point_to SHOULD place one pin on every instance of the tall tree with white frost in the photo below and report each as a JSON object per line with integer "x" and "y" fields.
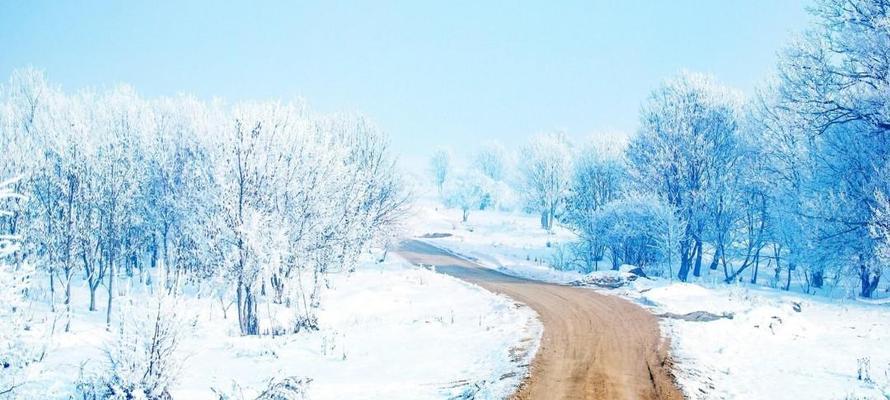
{"x": 440, "y": 164}
{"x": 832, "y": 97}
{"x": 491, "y": 160}
{"x": 599, "y": 177}
{"x": 179, "y": 192}
{"x": 467, "y": 192}
{"x": 686, "y": 139}
{"x": 546, "y": 166}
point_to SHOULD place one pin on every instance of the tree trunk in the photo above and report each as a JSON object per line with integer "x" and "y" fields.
{"x": 685, "y": 262}
{"x": 165, "y": 256}
{"x": 716, "y": 261}
{"x": 817, "y": 278}
{"x": 725, "y": 267}
{"x": 110, "y": 292}
{"x": 869, "y": 281}
{"x": 252, "y": 323}
{"x": 547, "y": 217}
{"x": 93, "y": 297}
{"x": 756, "y": 265}
{"x": 68, "y": 301}
{"x": 791, "y": 267}
{"x": 239, "y": 299}
{"x": 698, "y": 250}
{"x": 52, "y": 289}
{"x": 247, "y": 311}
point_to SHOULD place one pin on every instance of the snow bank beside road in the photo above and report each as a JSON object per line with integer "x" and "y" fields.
{"x": 776, "y": 346}
{"x": 388, "y": 331}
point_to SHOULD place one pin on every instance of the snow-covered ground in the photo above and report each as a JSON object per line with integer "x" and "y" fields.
{"x": 389, "y": 331}
{"x": 778, "y": 345}
{"x": 511, "y": 242}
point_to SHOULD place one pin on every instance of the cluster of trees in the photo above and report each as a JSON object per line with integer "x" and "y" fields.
{"x": 258, "y": 200}
{"x": 793, "y": 181}
{"x": 486, "y": 184}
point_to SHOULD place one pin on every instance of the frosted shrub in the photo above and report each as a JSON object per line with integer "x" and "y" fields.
{"x": 289, "y": 388}
{"x": 863, "y": 371}
{"x": 144, "y": 360}
{"x": 564, "y": 259}
{"x": 638, "y": 230}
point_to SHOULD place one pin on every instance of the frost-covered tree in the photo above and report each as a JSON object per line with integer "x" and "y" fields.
{"x": 599, "y": 177}
{"x": 253, "y": 151}
{"x": 880, "y": 226}
{"x": 787, "y": 167}
{"x": 466, "y": 191}
{"x": 28, "y": 101}
{"x": 178, "y": 198}
{"x": 633, "y": 230}
{"x": 685, "y": 142}
{"x": 491, "y": 160}
{"x": 124, "y": 120}
{"x": 440, "y": 164}
{"x": 830, "y": 111}
{"x": 666, "y": 231}
{"x": 17, "y": 353}
{"x": 546, "y": 167}
{"x": 173, "y": 192}
{"x": 321, "y": 191}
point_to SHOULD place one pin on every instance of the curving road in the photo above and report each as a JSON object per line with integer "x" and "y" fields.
{"x": 594, "y": 346}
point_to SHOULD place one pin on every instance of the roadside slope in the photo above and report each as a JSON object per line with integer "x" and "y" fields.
{"x": 594, "y": 346}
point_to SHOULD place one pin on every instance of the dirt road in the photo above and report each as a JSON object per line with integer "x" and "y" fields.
{"x": 594, "y": 346}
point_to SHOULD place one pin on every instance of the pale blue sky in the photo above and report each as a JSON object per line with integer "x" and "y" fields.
{"x": 429, "y": 73}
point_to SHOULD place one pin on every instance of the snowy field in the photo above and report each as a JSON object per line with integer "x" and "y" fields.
{"x": 388, "y": 330}
{"x": 777, "y": 345}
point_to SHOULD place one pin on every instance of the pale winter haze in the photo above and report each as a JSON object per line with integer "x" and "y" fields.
{"x": 445, "y": 201}
{"x": 432, "y": 74}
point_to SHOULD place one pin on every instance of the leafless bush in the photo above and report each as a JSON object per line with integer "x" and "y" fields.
{"x": 143, "y": 361}
{"x": 289, "y": 388}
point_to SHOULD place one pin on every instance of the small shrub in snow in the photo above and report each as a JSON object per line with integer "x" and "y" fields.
{"x": 563, "y": 258}
{"x": 863, "y": 372}
{"x": 469, "y": 392}
{"x": 289, "y": 388}
{"x": 144, "y": 360}
{"x": 637, "y": 229}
